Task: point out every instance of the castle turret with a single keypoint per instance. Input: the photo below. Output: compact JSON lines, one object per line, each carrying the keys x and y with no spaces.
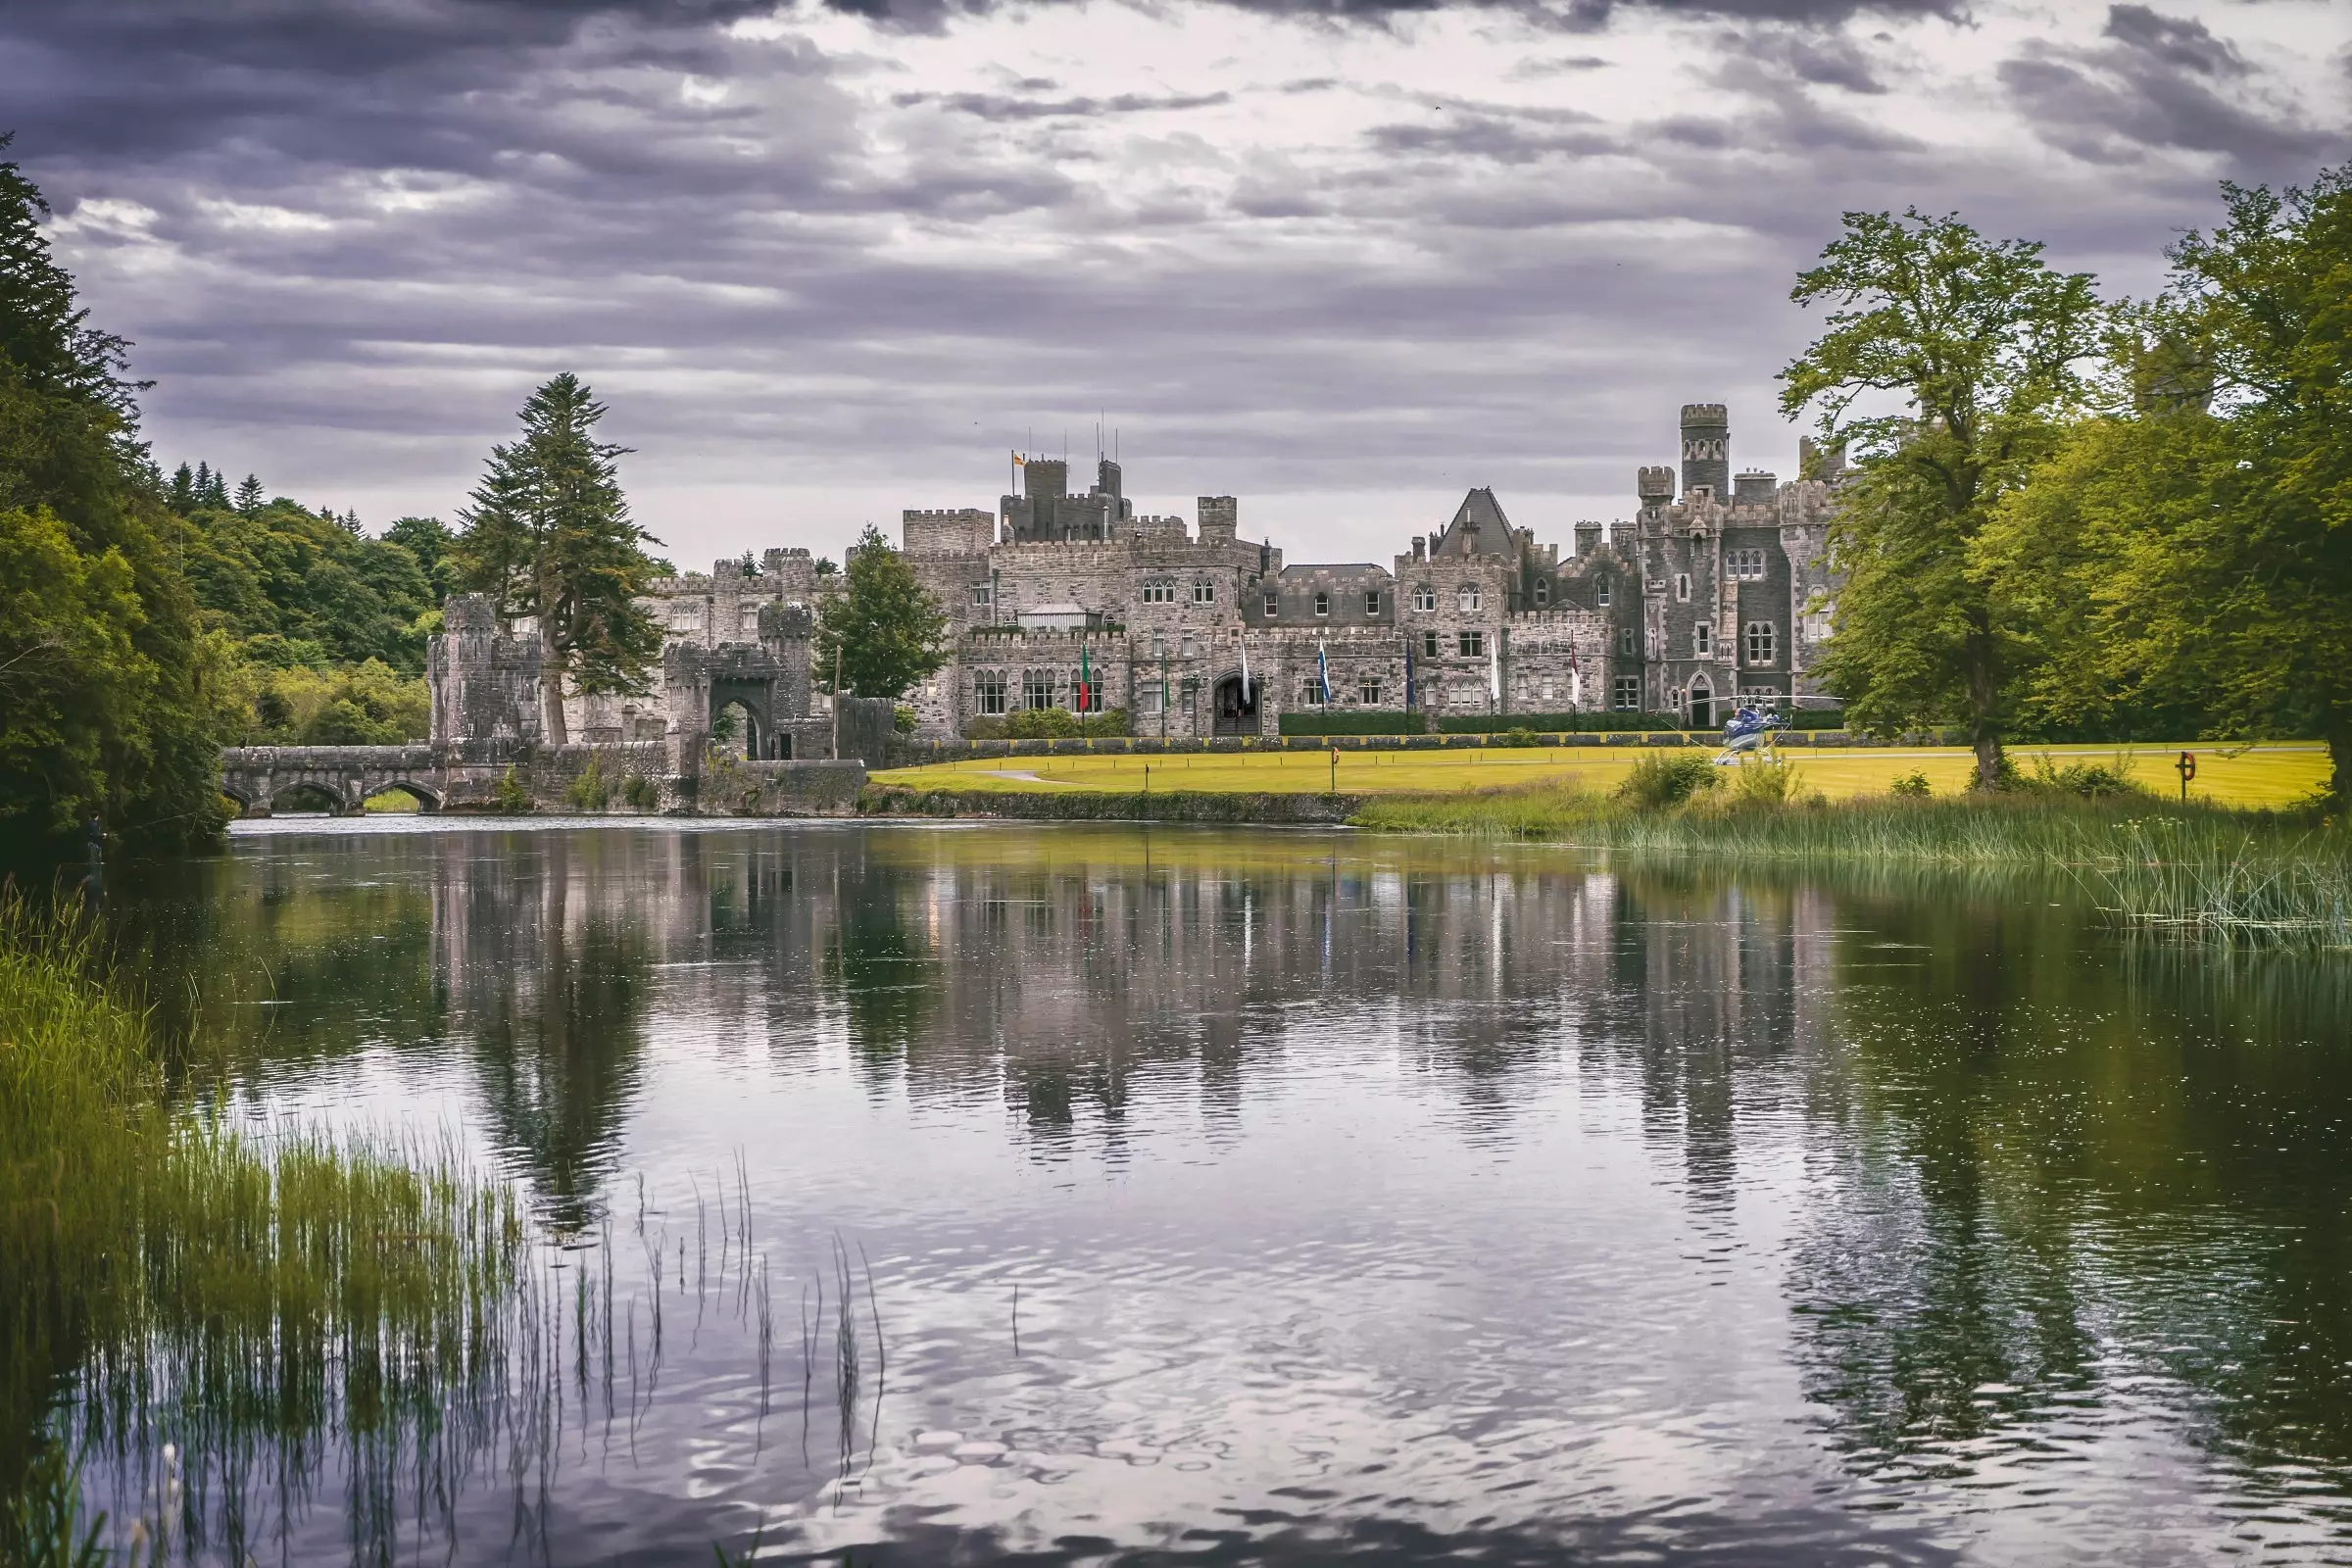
{"x":1755,"y":488}
{"x":1708,"y":448}
{"x":1655,"y":486}
{"x":1588,"y":538}
{"x":1220,"y":518}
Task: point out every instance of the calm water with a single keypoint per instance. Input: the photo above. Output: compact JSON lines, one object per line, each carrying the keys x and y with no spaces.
{"x":1235,"y":1196}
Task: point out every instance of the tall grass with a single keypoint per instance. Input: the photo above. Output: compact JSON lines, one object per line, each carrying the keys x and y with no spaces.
{"x":203,"y":1314}
{"x":2202,"y":872}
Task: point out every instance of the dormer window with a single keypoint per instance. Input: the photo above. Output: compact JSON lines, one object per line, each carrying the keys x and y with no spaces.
{"x":1273,"y":603}
{"x":1372,"y":601}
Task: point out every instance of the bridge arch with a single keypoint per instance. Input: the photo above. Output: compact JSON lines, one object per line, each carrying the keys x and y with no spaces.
{"x":427,"y":798}
{"x":305,"y":795}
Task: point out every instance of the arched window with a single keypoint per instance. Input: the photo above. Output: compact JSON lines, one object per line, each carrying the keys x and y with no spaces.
{"x":1543,"y":591}
{"x":1760,"y":642}
{"x":1159,"y":593}
{"x":1469,"y":597}
{"x":1600,"y":593}
{"x":1205,"y":592}
{"x":1425,"y":598}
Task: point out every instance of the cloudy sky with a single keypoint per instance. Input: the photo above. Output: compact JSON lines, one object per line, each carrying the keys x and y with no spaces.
{"x":825,"y":261}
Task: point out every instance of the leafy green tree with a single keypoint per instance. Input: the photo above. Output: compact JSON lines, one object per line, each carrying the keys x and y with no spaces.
{"x":2248,"y":596}
{"x":549,"y":536}
{"x":103,"y":700}
{"x":1951,"y":365}
{"x":428,"y":542}
{"x":880,"y":627}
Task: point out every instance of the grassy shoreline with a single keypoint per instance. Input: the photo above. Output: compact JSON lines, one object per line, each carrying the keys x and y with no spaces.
{"x":2213,"y":873}
{"x":171,"y":1286}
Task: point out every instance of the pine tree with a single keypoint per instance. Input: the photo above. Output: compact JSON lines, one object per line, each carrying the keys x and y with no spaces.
{"x":881,"y":628}
{"x":183,"y":490}
{"x":102,"y":706}
{"x":549,"y":536}
{"x":249,"y":495}
{"x":215,"y":488}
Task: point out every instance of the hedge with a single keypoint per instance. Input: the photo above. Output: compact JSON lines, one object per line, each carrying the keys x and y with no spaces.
{"x":1555,"y":723}
{"x":1355,"y":724}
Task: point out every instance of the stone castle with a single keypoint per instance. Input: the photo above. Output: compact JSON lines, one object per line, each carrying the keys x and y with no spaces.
{"x":1704,"y":598}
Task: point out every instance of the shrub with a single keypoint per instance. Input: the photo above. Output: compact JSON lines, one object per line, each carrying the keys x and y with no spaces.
{"x":1109,"y":722}
{"x":589,"y":791}
{"x":1660,"y":780}
{"x":1911,"y":786}
{"x":901,"y":719}
{"x":2092,"y":781}
{"x":641,"y":792}
{"x":1761,"y":786}
{"x":511,"y":799}
{"x":1041,"y":724}
{"x":1518,"y":737}
{"x":986,"y":727}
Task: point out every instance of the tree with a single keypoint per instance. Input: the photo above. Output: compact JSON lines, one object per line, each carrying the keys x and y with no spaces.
{"x":429,"y":542}
{"x":1980,"y":346}
{"x":2222,"y":542}
{"x":124,"y":725}
{"x":885,"y":631}
{"x":249,"y":494}
{"x":549,"y":536}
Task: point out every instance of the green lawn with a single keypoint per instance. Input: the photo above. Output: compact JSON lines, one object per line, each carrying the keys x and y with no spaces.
{"x":2265,"y":775}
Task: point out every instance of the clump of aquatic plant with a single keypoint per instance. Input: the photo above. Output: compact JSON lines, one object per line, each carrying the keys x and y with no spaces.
{"x":178,"y":1298}
{"x":2244,"y":877}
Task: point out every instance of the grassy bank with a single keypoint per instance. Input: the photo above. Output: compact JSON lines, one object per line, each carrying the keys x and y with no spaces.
{"x":166,"y":1280}
{"x":2201,"y":870}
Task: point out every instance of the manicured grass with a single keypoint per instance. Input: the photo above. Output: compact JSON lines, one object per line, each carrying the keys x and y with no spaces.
{"x":2272,"y":776}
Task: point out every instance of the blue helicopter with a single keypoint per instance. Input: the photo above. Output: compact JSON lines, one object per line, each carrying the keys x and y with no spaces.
{"x":1750,"y":729}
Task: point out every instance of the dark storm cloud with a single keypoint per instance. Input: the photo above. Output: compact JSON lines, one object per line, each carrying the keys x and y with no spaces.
{"x":2161,"y":83}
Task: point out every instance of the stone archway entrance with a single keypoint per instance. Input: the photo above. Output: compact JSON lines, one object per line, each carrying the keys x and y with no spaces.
{"x":1235,"y":711}
{"x":1703,"y":705}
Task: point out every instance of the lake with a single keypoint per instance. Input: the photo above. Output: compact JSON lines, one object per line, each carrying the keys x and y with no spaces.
{"x":1094,"y":1193}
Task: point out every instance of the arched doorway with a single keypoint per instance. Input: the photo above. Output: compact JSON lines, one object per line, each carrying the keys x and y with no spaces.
{"x":1234,"y":711}
{"x":735,"y":731}
{"x":1703,"y":703}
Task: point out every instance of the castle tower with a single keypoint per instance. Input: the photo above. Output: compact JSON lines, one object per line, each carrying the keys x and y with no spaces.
{"x":1706,"y":449}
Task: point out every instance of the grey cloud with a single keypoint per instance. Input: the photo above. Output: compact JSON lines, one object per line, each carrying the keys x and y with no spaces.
{"x":2152,"y":89}
{"x":2180,"y":41}
{"x":993,"y":106}
{"x":762,"y":296}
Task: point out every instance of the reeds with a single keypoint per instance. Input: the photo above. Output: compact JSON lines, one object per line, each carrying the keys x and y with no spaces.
{"x":178,"y":1300}
{"x":2207,"y":872}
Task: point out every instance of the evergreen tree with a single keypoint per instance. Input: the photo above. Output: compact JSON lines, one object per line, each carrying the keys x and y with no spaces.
{"x":880,"y":625}
{"x":249,"y":495}
{"x":183,"y":491}
{"x":215,"y":489}
{"x":103,"y":699}
{"x":549,"y":536}
{"x":1985,"y":346}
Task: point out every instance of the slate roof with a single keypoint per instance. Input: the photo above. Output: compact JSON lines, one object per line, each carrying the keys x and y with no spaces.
{"x":1493,"y":534}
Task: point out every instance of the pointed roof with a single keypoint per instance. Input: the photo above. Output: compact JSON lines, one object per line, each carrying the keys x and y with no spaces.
{"x":1479,"y":528}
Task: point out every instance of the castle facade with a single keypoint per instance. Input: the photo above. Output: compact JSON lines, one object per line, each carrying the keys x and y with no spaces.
{"x":1705,"y":597}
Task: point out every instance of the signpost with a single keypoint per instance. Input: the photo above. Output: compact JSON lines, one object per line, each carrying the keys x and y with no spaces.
{"x":2186,"y":767}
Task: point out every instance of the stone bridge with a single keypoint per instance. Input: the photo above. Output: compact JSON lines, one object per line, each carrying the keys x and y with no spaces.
{"x":264,"y":778}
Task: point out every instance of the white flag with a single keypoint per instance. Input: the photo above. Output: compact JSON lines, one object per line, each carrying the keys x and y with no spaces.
{"x":1494,"y":667}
